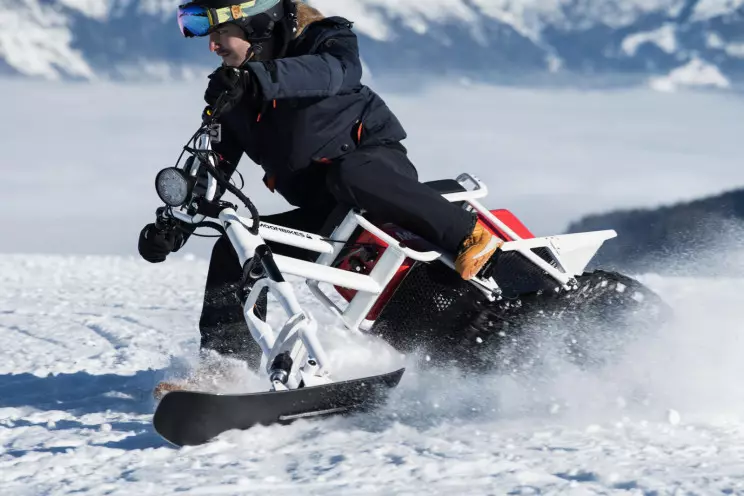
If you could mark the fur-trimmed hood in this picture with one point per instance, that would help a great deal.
(306, 15)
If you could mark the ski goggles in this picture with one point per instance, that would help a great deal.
(197, 20)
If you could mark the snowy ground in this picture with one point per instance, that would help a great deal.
(85, 338)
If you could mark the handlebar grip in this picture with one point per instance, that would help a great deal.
(163, 223)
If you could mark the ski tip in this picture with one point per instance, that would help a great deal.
(187, 418)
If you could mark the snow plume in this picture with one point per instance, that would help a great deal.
(717, 251)
(703, 244)
(688, 369)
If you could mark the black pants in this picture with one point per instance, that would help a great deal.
(380, 180)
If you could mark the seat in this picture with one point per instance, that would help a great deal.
(446, 186)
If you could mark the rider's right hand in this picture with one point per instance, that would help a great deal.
(155, 245)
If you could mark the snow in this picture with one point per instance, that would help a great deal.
(37, 37)
(432, 10)
(707, 9)
(665, 38)
(369, 22)
(87, 337)
(714, 40)
(527, 17)
(37, 42)
(696, 73)
(621, 14)
(373, 17)
(735, 50)
(97, 9)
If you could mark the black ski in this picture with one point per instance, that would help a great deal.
(187, 418)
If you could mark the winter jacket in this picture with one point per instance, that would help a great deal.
(312, 108)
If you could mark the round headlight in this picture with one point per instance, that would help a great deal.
(173, 186)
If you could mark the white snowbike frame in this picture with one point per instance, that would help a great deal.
(298, 336)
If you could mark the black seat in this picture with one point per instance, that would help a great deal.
(446, 186)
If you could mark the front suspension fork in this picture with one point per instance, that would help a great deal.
(295, 356)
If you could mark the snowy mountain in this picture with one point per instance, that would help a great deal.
(670, 42)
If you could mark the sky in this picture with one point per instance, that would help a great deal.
(79, 160)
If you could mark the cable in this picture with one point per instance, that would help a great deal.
(206, 235)
(242, 180)
(339, 242)
(204, 157)
(211, 225)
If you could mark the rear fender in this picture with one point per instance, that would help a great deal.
(573, 252)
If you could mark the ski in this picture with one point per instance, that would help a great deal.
(188, 418)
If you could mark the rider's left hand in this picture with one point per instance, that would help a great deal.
(234, 83)
(156, 244)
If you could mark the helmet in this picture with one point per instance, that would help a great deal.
(257, 18)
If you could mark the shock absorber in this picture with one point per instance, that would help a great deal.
(281, 368)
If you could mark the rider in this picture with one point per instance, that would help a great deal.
(290, 78)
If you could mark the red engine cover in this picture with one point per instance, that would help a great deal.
(511, 221)
(354, 263)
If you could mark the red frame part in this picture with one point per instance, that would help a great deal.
(368, 239)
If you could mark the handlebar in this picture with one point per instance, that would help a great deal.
(209, 133)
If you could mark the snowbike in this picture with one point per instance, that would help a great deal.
(383, 280)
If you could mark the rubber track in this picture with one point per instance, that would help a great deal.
(603, 302)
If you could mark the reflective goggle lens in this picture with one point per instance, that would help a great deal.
(193, 20)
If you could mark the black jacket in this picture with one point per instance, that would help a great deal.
(311, 109)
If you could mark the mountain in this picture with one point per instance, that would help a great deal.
(665, 42)
(701, 236)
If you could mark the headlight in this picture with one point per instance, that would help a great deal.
(174, 186)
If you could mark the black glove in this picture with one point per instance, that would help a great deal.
(232, 82)
(155, 244)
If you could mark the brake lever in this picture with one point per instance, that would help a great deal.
(163, 222)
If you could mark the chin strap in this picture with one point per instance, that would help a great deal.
(253, 53)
